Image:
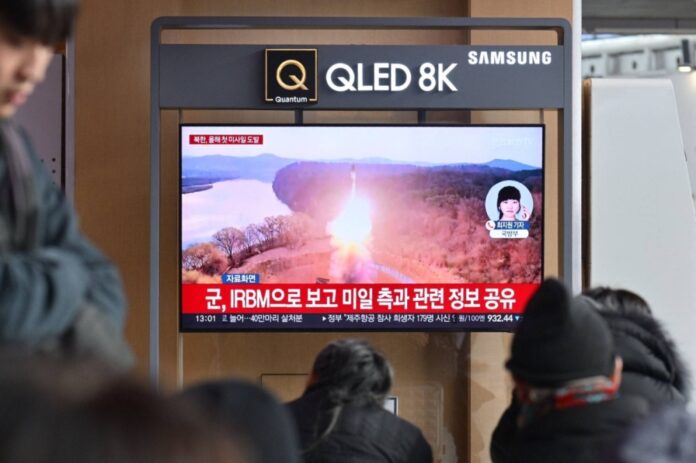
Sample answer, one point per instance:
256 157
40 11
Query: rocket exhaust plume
350 232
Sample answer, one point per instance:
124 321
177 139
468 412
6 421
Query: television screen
386 228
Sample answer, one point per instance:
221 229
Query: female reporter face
509 208
23 64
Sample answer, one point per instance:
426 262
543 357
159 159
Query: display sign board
361 77
367 77
359 227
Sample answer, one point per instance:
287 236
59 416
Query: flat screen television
359 227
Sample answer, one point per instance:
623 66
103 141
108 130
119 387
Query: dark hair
34 391
349 371
260 423
353 372
505 193
621 301
49 21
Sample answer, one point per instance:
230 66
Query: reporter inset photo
508 201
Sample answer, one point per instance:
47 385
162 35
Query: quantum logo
291 75
298 83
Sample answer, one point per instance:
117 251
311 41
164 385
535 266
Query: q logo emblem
291 76
299 83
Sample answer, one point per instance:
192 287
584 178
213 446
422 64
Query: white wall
685 90
643 227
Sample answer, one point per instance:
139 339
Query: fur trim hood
647 349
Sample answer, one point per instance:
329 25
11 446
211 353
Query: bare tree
204 257
232 242
268 231
273 226
254 238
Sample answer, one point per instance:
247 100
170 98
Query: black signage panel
361 77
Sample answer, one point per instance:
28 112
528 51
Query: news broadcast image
355 228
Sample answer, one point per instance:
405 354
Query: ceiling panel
639 15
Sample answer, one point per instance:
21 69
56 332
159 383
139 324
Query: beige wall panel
286 387
489 389
325 37
323 8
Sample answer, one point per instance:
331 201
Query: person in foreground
652 366
566 406
60 419
58 293
340 417
261 425
668 436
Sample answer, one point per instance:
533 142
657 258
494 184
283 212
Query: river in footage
232 203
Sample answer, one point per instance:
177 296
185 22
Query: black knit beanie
560 339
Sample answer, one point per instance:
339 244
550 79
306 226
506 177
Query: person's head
29 31
34 388
621 301
561 341
124 421
508 202
67 411
352 371
252 415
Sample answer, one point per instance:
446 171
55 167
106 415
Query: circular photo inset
509 200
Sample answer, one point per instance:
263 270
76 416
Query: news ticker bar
289 299
358 322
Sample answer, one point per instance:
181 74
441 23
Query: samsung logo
509 58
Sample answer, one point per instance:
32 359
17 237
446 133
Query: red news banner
350 298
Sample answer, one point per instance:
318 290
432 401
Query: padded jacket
652 367
581 434
362 434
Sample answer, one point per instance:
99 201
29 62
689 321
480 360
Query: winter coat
668 436
580 434
362 434
652 367
57 291
652 370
